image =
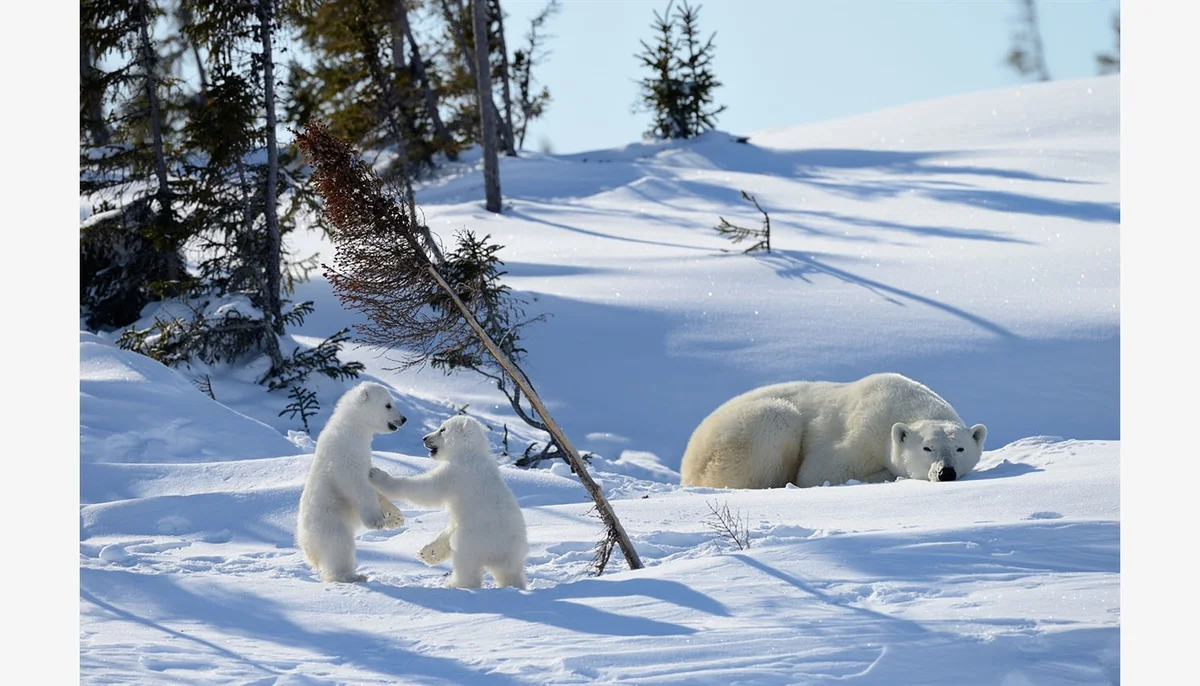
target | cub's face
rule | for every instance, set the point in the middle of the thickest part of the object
(378, 407)
(936, 451)
(460, 436)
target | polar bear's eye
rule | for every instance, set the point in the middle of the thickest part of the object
(927, 449)
(441, 431)
(960, 450)
(388, 406)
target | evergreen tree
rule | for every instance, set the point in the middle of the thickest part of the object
(696, 76)
(168, 171)
(131, 247)
(662, 91)
(679, 90)
(1026, 55)
(1110, 63)
(242, 194)
(362, 95)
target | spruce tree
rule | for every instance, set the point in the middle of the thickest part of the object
(695, 73)
(1110, 62)
(679, 90)
(1026, 56)
(662, 91)
(131, 247)
(362, 95)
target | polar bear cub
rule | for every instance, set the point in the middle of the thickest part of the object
(337, 495)
(878, 428)
(486, 530)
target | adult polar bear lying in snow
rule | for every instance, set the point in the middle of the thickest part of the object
(337, 495)
(487, 530)
(875, 429)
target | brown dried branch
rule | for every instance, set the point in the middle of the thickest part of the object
(379, 265)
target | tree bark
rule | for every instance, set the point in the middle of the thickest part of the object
(274, 259)
(431, 104)
(509, 146)
(399, 13)
(487, 122)
(369, 41)
(97, 126)
(603, 508)
(163, 193)
(467, 55)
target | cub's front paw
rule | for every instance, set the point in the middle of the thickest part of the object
(377, 475)
(375, 521)
(434, 553)
(393, 520)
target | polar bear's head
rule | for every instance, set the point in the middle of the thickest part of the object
(936, 450)
(458, 437)
(373, 407)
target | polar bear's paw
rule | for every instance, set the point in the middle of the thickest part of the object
(393, 520)
(435, 552)
(392, 517)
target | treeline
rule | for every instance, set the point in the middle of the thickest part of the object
(193, 185)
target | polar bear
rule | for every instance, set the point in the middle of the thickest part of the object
(486, 529)
(875, 429)
(337, 495)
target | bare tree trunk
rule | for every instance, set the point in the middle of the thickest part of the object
(509, 147)
(200, 68)
(163, 193)
(274, 259)
(94, 104)
(471, 61)
(487, 121)
(431, 104)
(399, 16)
(391, 104)
(603, 508)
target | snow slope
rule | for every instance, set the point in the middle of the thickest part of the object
(969, 242)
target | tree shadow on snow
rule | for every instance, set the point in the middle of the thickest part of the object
(554, 606)
(794, 264)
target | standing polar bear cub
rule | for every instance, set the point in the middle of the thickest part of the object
(878, 428)
(487, 530)
(337, 495)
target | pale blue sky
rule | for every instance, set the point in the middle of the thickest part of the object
(785, 62)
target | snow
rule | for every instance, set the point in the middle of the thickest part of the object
(971, 243)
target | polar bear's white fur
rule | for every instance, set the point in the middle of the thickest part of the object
(486, 529)
(875, 429)
(337, 496)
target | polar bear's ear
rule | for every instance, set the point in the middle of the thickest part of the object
(900, 431)
(979, 432)
(364, 393)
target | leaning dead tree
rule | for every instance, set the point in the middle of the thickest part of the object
(382, 270)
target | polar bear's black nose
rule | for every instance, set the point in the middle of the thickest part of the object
(947, 473)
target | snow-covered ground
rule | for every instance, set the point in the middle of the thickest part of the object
(971, 243)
